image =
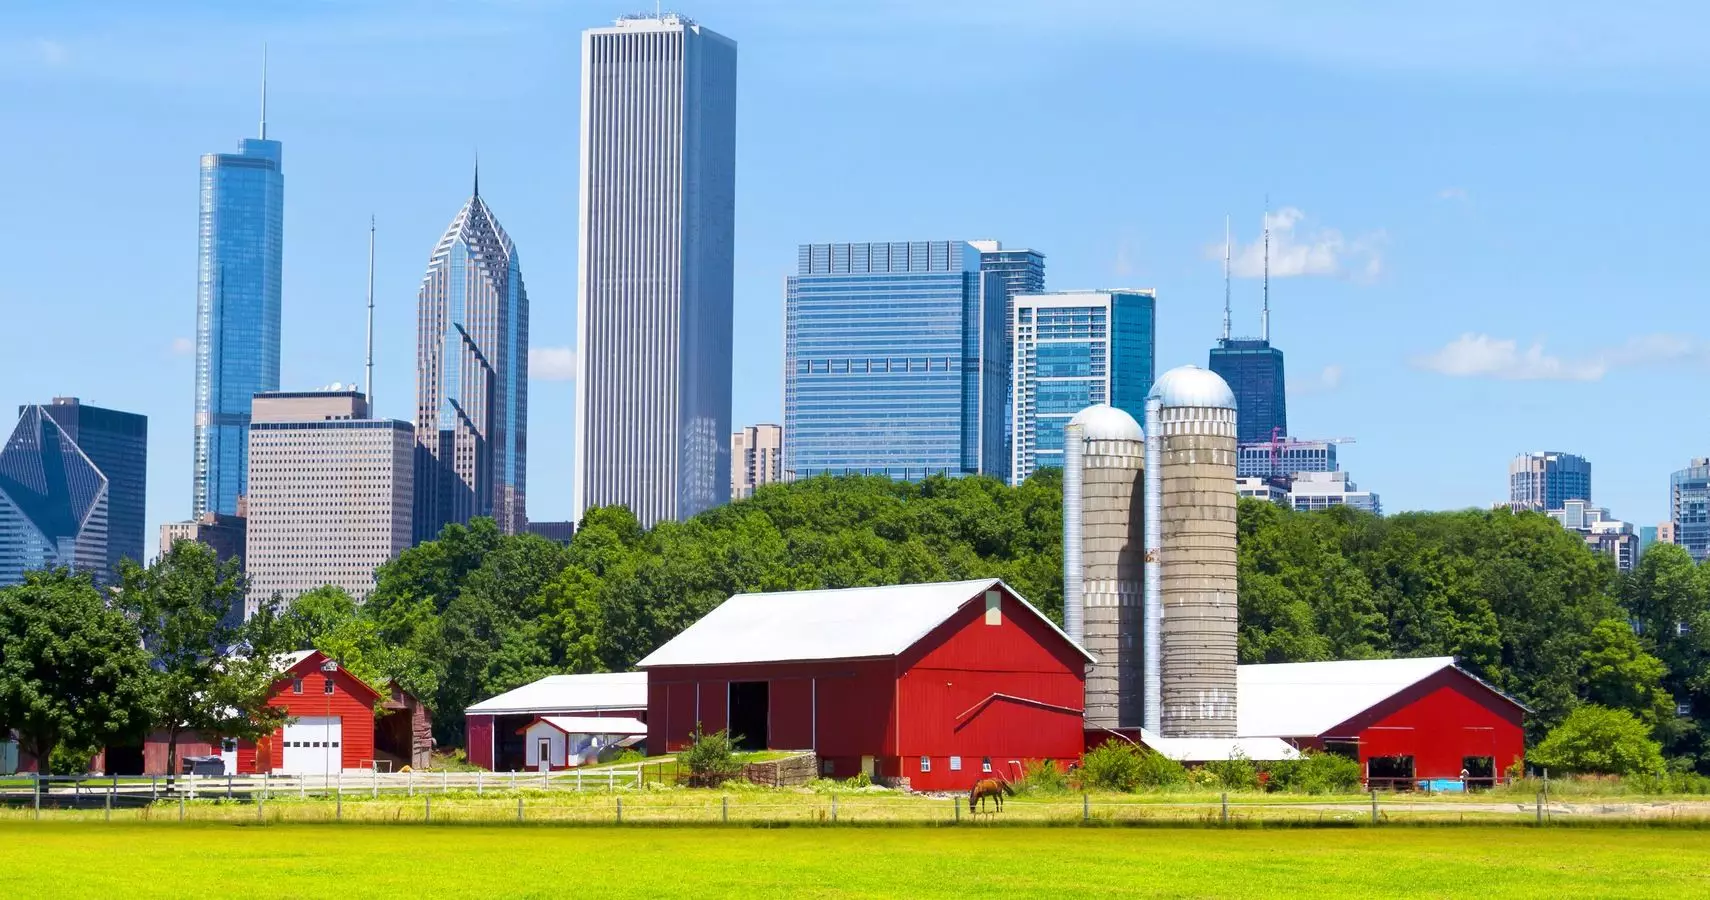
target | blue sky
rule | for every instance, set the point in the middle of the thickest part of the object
(1483, 218)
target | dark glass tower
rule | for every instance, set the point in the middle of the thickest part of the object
(55, 502)
(117, 443)
(1254, 370)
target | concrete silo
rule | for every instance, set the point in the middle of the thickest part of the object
(1103, 465)
(1190, 555)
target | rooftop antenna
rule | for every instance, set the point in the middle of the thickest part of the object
(477, 173)
(1226, 277)
(369, 375)
(264, 91)
(1265, 311)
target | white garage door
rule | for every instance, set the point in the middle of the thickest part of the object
(313, 745)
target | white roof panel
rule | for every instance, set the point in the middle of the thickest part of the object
(851, 623)
(1307, 699)
(596, 725)
(569, 694)
(1260, 749)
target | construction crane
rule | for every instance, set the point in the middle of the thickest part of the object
(1281, 442)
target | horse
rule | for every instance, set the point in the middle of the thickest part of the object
(994, 788)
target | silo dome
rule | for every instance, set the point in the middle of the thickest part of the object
(1192, 386)
(1103, 422)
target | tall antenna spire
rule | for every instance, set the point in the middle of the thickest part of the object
(369, 375)
(1265, 310)
(1226, 277)
(264, 92)
(477, 173)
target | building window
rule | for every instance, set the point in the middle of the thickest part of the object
(986, 764)
(326, 686)
(955, 763)
(926, 764)
(994, 608)
(296, 685)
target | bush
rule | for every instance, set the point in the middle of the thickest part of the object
(711, 758)
(1315, 773)
(1598, 740)
(69, 760)
(1237, 773)
(1160, 771)
(1112, 766)
(1041, 776)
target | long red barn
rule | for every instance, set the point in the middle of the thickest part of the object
(934, 684)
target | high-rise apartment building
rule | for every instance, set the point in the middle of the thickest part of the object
(1689, 509)
(1071, 350)
(220, 533)
(890, 361)
(1022, 271)
(331, 493)
(56, 503)
(117, 443)
(756, 458)
(1546, 480)
(471, 378)
(237, 310)
(655, 266)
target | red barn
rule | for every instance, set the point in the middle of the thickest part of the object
(929, 683)
(333, 725)
(1405, 720)
(493, 728)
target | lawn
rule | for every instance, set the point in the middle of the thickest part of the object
(152, 860)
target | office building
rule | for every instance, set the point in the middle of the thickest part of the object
(1266, 489)
(1547, 480)
(54, 501)
(117, 444)
(756, 458)
(1322, 490)
(1022, 270)
(221, 533)
(331, 493)
(1072, 350)
(1254, 370)
(1689, 509)
(1602, 532)
(1647, 538)
(655, 267)
(237, 310)
(471, 378)
(1283, 457)
(889, 362)
(556, 532)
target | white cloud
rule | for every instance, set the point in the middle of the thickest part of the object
(1297, 251)
(1482, 356)
(552, 363)
(1458, 194)
(1323, 381)
(183, 346)
(52, 53)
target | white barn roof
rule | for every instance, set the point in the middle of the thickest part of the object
(569, 694)
(852, 623)
(1307, 699)
(1259, 749)
(596, 725)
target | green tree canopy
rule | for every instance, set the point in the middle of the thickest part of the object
(1598, 740)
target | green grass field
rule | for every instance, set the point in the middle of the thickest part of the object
(143, 860)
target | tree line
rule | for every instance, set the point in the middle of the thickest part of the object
(1523, 603)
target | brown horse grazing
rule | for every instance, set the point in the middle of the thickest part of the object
(994, 788)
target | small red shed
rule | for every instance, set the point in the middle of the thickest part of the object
(333, 725)
(928, 684)
(1405, 720)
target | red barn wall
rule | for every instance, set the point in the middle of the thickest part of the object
(478, 739)
(1438, 721)
(351, 700)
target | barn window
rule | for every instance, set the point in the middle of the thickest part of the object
(955, 763)
(926, 763)
(296, 685)
(326, 686)
(986, 764)
(994, 608)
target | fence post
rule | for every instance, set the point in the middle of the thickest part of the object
(338, 806)
(260, 815)
(1226, 807)
(36, 781)
(180, 806)
(445, 781)
(152, 788)
(1374, 806)
(266, 784)
(611, 784)
(302, 787)
(410, 782)
(1540, 807)
(956, 808)
(724, 813)
(376, 782)
(544, 785)
(834, 808)
(620, 810)
(513, 779)
(519, 807)
(1086, 808)
(578, 780)
(110, 789)
(427, 807)
(228, 785)
(477, 782)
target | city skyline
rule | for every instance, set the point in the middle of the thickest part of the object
(1490, 223)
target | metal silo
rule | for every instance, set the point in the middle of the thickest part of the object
(1193, 444)
(1103, 460)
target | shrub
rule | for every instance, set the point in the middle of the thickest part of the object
(1237, 773)
(1315, 773)
(1598, 740)
(1112, 766)
(1160, 771)
(1041, 776)
(711, 758)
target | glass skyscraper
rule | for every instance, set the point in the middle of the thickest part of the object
(892, 361)
(655, 263)
(471, 378)
(237, 311)
(56, 503)
(117, 444)
(1546, 480)
(1074, 349)
(1254, 371)
(1689, 508)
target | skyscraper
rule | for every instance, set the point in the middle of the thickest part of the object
(332, 494)
(756, 458)
(471, 377)
(54, 501)
(237, 309)
(1023, 272)
(117, 443)
(1546, 480)
(890, 361)
(655, 261)
(1689, 509)
(1251, 366)
(1074, 349)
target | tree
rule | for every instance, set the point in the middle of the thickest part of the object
(1619, 674)
(73, 673)
(1598, 740)
(212, 671)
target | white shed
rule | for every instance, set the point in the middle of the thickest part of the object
(565, 742)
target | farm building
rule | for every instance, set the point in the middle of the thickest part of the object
(493, 728)
(335, 725)
(565, 742)
(932, 684)
(1405, 720)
